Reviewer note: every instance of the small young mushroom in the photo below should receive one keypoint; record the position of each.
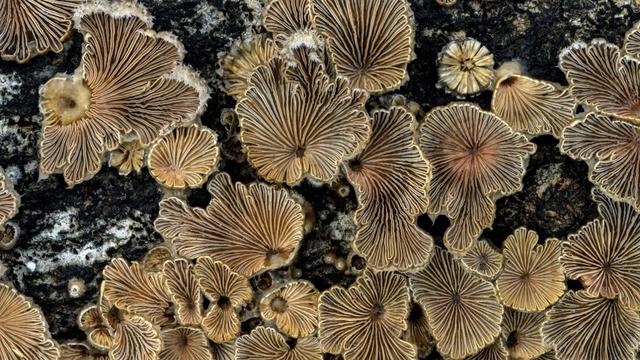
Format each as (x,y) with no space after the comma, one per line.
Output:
(243,58)
(293,307)
(465,67)
(9,200)
(483,259)
(128,157)
(267,344)
(521,334)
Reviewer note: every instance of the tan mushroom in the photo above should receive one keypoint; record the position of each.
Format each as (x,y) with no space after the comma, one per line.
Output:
(80,351)
(128,157)
(184,158)
(9,199)
(224,351)
(287,17)
(632,41)
(418,331)
(184,343)
(243,58)
(129,83)
(495,351)
(483,259)
(185,291)
(465,67)
(522,334)
(34,27)
(155,258)
(391,178)
(293,308)
(267,344)
(251,228)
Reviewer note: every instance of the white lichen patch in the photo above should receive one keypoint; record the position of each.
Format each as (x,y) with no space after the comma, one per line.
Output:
(210,17)
(13,139)
(10,86)
(343,228)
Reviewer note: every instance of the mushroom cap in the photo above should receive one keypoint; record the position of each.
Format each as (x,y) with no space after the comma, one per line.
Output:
(90,318)
(185,291)
(368,319)
(128,157)
(475,157)
(580,326)
(293,307)
(227,291)
(521,333)
(9,199)
(418,330)
(135,339)
(391,178)
(23,329)
(34,27)
(185,157)
(495,351)
(129,83)
(532,106)
(80,351)
(454,299)
(532,277)
(296,121)
(370,41)
(287,17)
(185,343)
(267,344)
(483,259)
(465,67)
(605,253)
(155,258)
(251,228)
(601,77)
(632,41)
(614,148)
(225,351)
(243,58)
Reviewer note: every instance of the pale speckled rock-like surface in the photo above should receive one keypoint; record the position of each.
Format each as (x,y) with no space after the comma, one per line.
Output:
(71,233)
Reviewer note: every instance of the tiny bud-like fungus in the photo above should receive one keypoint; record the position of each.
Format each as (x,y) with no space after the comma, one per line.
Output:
(465,67)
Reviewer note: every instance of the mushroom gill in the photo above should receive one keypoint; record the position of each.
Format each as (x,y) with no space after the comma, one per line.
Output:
(465,67)
(265,343)
(293,308)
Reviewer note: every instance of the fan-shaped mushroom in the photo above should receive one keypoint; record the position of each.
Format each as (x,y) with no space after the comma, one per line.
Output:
(483,259)
(184,343)
(128,157)
(9,199)
(293,307)
(465,67)
(267,344)
(184,290)
(243,58)
(521,333)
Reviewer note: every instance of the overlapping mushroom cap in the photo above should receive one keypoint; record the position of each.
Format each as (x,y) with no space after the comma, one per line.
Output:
(521,333)
(370,41)
(367,320)
(475,157)
(483,259)
(184,290)
(293,308)
(242,60)
(129,82)
(418,331)
(296,121)
(267,344)
(391,178)
(632,41)
(601,76)
(584,327)
(128,157)
(615,147)
(532,278)
(605,253)
(184,343)
(251,228)
(80,351)
(465,67)
(495,351)
(9,199)
(532,106)
(287,17)
(34,27)
(463,310)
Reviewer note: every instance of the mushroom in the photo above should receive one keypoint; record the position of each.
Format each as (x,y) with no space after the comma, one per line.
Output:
(23,329)
(418,332)
(129,82)
(293,307)
(224,351)
(612,149)
(391,178)
(532,278)
(92,321)
(134,339)
(129,288)
(128,157)
(296,121)
(601,77)
(632,41)
(251,228)
(495,351)
(367,320)
(184,158)
(465,67)
(287,17)
(370,41)
(581,326)
(155,258)
(532,106)
(9,200)
(463,311)
(80,351)
(227,291)
(475,158)
(605,253)
(184,343)
(34,27)
(483,259)
(521,333)
(185,292)
(267,344)
(243,58)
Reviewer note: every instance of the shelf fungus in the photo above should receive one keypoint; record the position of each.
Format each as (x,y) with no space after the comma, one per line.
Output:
(9,199)
(612,147)
(418,332)
(463,311)
(283,18)
(265,343)
(495,351)
(130,82)
(128,157)
(183,286)
(605,253)
(184,343)
(184,158)
(483,259)
(227,291)
(465,67)
(23,329)
(34,27)
(296,121)
(293,308)
(531,106)
(522,336)
(475,158)
(532,277)
(584,327)
(368,319)
(251,228)
(243,58)
(601,77)
(391,178)
(632,41)
(370,41)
